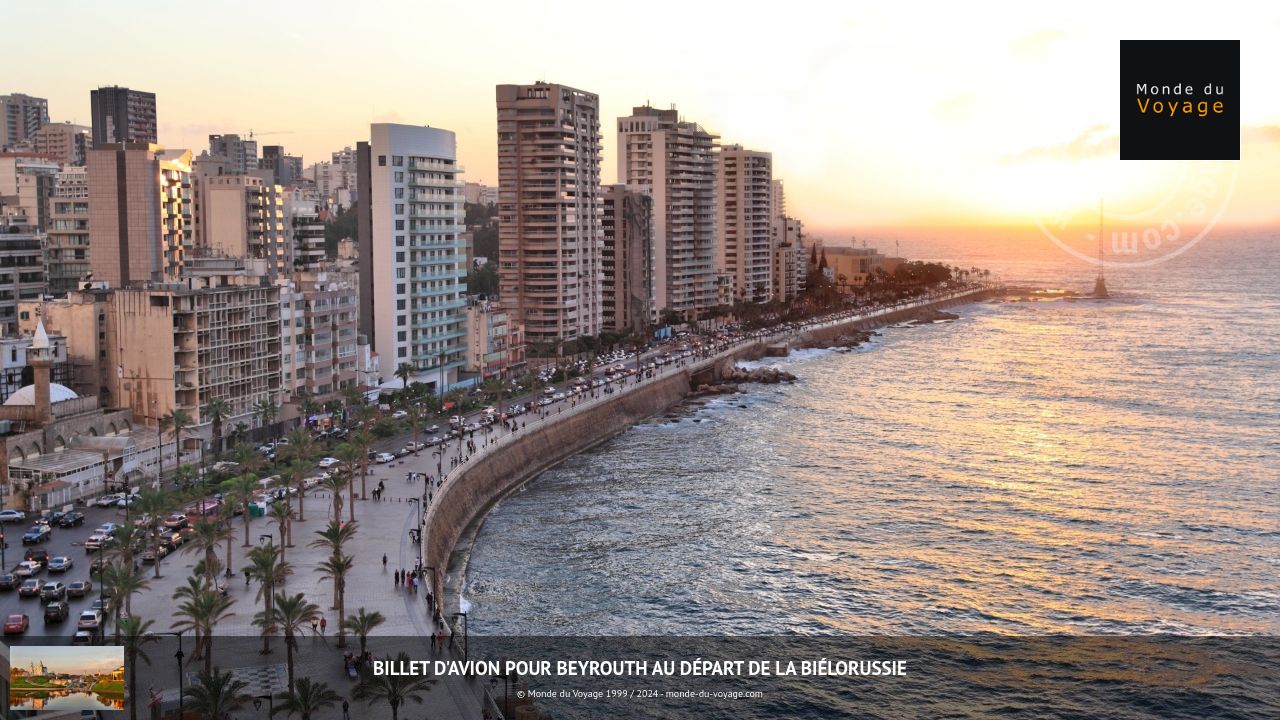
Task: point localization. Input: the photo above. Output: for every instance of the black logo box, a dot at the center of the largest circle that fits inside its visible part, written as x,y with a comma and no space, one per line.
1182,136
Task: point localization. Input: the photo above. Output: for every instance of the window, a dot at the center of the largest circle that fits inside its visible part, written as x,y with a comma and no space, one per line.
400,320
400,256
400,289
382,161
399,208
397,160
399,176
402,336
399,241
402,352
399,192
400,304
400,273
400,225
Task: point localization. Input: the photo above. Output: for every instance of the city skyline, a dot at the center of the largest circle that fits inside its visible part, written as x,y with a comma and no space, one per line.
1015,118
66,659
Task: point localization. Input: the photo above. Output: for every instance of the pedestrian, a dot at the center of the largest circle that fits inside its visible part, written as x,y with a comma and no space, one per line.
313,627
396,575
346,709
247,575
324,623
415,584
440,638
384,561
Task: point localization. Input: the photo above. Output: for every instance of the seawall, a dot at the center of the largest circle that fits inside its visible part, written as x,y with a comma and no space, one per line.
469,493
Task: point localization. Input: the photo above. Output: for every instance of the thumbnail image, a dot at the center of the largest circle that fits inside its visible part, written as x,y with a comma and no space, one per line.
66,678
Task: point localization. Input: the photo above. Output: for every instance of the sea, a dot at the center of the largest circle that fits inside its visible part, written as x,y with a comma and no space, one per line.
1098,471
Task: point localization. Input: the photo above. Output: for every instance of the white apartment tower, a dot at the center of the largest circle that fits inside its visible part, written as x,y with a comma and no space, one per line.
413,292
675,160
550,210
745,223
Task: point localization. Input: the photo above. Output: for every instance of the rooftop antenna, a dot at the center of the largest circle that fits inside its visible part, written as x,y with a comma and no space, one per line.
1100,284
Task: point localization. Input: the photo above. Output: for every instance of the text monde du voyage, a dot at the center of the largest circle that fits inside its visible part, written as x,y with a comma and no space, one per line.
1180,100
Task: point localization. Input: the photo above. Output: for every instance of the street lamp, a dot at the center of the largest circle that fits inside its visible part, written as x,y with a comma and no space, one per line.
257,704
178,655
465,654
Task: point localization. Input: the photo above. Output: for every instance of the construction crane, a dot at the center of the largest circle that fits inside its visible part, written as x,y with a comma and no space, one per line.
270,132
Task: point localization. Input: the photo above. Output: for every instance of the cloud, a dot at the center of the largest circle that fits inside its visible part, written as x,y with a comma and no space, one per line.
954,110
1261,134
1092,143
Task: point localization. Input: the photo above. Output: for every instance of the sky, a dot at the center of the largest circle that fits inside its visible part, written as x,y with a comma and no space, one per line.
877,114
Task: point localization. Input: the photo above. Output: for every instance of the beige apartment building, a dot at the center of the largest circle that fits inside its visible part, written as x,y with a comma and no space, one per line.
26,184
627,260
139,213
241,216
789,262
745,224
65,143
495,340
66,244
550,209
675,159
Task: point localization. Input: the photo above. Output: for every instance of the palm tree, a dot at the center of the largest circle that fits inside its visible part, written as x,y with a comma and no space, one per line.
238,432
135,633
123,583
363,623
299,454
394,690
307,699
289,614
308,407
240,490
404,371
266,566
266,411
282,513
207,536
336,569
335,483
217,410
352,457
216,694
226,513
176,422
334,536
156,504
200,610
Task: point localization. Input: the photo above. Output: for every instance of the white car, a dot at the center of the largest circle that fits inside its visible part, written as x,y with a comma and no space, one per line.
8,516
383,457
399,414
94,542
109,500
328,462
412,446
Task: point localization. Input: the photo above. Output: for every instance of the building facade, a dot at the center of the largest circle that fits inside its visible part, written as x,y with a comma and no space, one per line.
550,212
412,263
495,340
20,117
121,115
627,263
240,154
675,160
64,143
745,226
319,318
66,241
139,213
242,216
27,182
788,258
21,271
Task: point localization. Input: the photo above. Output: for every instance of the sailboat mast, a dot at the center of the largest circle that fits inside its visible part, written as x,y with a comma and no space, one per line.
1100,284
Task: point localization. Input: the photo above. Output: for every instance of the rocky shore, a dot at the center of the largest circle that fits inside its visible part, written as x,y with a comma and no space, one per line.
847,340
731,383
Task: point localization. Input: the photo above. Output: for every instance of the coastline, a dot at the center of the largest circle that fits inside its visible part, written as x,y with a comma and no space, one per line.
505,464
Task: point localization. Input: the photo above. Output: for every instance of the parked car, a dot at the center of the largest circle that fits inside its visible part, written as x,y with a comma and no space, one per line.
126,501
30,587
109,500
89,620
94,542
8,516
384,457
79,588
16,624
53,591
415,446
71,519
108,528
328,462
399,414
148,556
59,564
82,637
36,535
95,567
57,611
8,581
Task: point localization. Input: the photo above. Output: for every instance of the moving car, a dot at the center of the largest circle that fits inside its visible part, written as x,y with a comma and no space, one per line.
109,500
8,581
71,519
27,568
108,528
60,563
328,462
57,611
94,542
36,535
399,414
53,591
176,521
30,587
16,624
79,588
384,457
89,620
8,516
82,637
39,555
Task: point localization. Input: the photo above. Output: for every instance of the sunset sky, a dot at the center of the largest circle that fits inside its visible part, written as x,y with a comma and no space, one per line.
876,115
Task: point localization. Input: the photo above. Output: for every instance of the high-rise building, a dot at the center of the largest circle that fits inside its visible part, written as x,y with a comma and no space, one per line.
241,216
675,159
121,115
627,260
26,184
241,155
21,271
139,213
318,317
66,248
287,168
63,142
745,223
307,222
550,212
412,263
20,117
495,340
788,258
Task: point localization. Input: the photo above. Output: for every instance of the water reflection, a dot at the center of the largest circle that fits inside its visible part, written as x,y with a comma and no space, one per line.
65,700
